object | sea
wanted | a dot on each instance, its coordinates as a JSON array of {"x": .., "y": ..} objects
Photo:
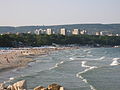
[{"x": 79, "y": 69}]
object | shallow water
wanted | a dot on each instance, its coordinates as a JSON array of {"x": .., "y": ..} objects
[{"x": 80, "y": 69}]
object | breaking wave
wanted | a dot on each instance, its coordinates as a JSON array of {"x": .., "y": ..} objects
[
  {"x": 83, "y": 64},
  {"x": 116, "y": 61},
  {"x": 57, "y": 65}
]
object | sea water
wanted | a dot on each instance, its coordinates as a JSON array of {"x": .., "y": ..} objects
[{"x": 78, "y": 69}]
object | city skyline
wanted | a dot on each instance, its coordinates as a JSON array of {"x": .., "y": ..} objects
[{"x": 57, "y": 12}]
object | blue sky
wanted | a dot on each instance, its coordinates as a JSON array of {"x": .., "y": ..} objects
[{"x": 52, "y": 12}]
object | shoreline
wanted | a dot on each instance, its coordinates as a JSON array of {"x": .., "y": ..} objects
[{"x": 20, "y": 57}]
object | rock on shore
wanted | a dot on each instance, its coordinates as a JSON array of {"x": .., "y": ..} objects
[
  {"x": 21, "y": 85},
  {"x": 53, "y": 86}
]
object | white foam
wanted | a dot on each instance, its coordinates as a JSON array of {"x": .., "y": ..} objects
[
  {"x": 11, "y": 78},
  {"x": 61, "y": 62},
  {"x": 116, "y": 58},
  {"x": 94, "y": 59},
  {"x": 102, "y": 58},
  {"x": 92, "y": 88},
  {"x": 4, "y": 82},
  {"x": 86, "y": 50},
  {"x": 85, "y": 80},
  {"x": 87, "y": 68},
  {"x": 83, "y": 64},
  {"x": 57, "y": 65},
  {"x": 71, "y": 58},
  {"x": 89, "y": 52},
  {"x": 115, "y": 62},
  {"x": 92, "y": 67}
]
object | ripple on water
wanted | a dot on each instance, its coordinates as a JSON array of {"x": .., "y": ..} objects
[{"x": 83, "y": 69}]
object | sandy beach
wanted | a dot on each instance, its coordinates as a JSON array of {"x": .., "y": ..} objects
[{"x": 17, "y": 57}]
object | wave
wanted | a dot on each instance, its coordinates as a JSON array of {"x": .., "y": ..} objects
[
  {"x": 9, "y": 80},
  {"x": 92, "y": 88},
  {"x": 62, "y": 62},
  {"x": 71, "y": 58},
  {"x": 89, "y": 52},
  {"x": 116, "y": 58},
  {"x": 86, "y": 66},
  {"x": 101, "y": 58},
  {"x": 76, "y": 58},
  {"x": 86, "y": 50},
  {"x": 115, "y": 62},
  {"x": 83, "y": 64},
  {"x": 92, "y": 59},
  {"x": 57, "y": 65},
  {"x": 86, "y": 58}
]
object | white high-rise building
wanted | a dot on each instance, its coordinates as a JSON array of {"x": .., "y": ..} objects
[
  {"x": 101, "y": 33},
  {"x": 63, "y": 31},
  {"x": 76, "y": 31},
  {"x": 29, "y": 32},
  {"x": 83, "y": 32},
  {"x": 37, "y": 31},
  {"x": 49, "y": 31},
  {"x": 117, "y": 35},
  {"x": 97, "y": 33}
]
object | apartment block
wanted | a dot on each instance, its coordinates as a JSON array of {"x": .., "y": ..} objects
[
  {"x": 49, "y": 31},
  {"x": 83, "y": 32},
  {"x": 37, "y": 31},
  {"x": 63, "y": 31},
  {"x": 76, "y": 31}
]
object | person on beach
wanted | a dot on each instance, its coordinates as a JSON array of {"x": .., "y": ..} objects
[{"x": 7, "y": 60}]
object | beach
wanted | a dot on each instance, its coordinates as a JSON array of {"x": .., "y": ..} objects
[{"x": 18, "y": 57}]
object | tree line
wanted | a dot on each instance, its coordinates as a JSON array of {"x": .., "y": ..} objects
[{"x": 22, "y": 40}]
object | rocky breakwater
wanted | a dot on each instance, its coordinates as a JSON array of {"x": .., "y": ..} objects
[
  {"x": 50, "y": 87},
  {"x": 21, "y": 85}
]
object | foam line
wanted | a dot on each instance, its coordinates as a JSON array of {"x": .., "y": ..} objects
[
  {"x": 56, "y": 65},
  {"x": 83, "y": 64},
  {"x": 115, "y": 62}
]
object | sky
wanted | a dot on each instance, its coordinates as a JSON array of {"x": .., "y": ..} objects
[{"x": 56, "y": 12}]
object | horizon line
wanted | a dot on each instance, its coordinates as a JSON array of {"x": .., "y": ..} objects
[{"x": 53, "y": 24}]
